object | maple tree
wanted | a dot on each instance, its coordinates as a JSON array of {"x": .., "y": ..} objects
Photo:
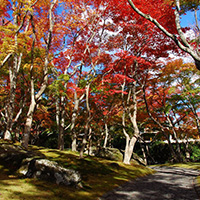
[
  {"x": 13, "y": 44},
  {"x": 134, "y": 48},
  {"x": 173, "y": 9},
  {"x": 187, "y": 89},
  {"x": 48, "y": 40},
  {"x": 78, "y": 69},
  {"x": 165, "y": 105}
]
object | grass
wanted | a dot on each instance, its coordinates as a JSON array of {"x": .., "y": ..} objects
[
  {"x": 98, "y": 177},
  {"x": 188, "y": 165}
]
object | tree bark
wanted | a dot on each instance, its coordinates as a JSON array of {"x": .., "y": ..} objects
[
  {"x": 73, "y": 120},
  {"x": 13, "y": 72},
  {"x": 36, "y": 97},
  {"x": 178, "y": 149},
  {"x": 106, "y": 135},
  {"x": 61, "y": 142}
]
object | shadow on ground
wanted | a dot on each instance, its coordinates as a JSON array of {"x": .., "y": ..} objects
[{"x": 167, "y": 183}]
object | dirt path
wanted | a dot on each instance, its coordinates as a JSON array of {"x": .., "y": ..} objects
[{"x": 167, "y": 183}]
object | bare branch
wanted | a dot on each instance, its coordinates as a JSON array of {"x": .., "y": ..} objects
[{"x": 5, "y": 60}]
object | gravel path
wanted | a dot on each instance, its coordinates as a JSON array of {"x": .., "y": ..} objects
[{"x": 168, "y": 183}]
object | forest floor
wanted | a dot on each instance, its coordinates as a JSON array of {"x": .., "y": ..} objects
[
  {"x": 98, "y": 177},
  {"x": 174, "y": 183}
]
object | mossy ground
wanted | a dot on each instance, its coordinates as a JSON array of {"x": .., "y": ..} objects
[{"x": 99, "y": 176}]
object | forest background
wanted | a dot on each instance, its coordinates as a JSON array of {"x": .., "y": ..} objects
[{"x": 95, "y": 74}]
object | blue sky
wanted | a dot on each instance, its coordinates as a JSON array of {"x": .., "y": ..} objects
[{"x": 188, "y": 19}]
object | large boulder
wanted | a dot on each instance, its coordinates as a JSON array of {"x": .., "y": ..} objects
[
  {"x": 35, "y": 165},
  {"x": 45, "y": 169},
  {"x": 12, "y": 155},
  {"x": 110, "y": 154}
]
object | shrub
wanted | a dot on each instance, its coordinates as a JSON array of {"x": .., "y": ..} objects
[{"x": 195, "y": 152}]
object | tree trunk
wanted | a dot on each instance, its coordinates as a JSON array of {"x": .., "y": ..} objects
[
  {"x": 130, "y": 143},
  {"x": 174, "y": 155},
  {"x": 28, "y": 124},
  {"x": 13, "y": 71},
  {"x": 61, "y": 142},
  {"x": 132, "y": 112},
  {"x": 178, "y": 149},
  {"x": 73, "y": 131},
  {"x": 106, "y": 136},
  {"x": 89, "y": 148},
  {"x": 143, "y": 153},
  {"x": 73, "y": 120},
  {"x": 84, "y": 142},
  {"x": 87, "y": 128},
  {"x": 36, "y": 97}
]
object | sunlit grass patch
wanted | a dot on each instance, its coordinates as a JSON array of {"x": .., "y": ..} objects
[{"x": 98, "y": 177}]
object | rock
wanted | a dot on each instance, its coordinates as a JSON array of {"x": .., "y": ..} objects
[
  {"x": 11, "y": 156},
  {"x": 7, "y": 135},
  {"x": 33, "y": 165},
  {"x": 110, "y": 154},
  {"x": 48, "y": 170}
]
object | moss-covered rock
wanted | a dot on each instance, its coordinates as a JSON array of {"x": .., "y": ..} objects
[
  {"x": 110, "y": 154},
  {"x": 33, "y": 165},
  {"x": 45, "y": 169}
]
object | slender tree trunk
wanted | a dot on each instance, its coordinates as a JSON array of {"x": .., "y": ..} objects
[
  {"x": 187, "y": 151},
  {"x": 58, "y": 118},
  {"x": 36, "y": 97},
  {"x": 106, "y": 135},
  {"x": 73, "y": 122},
  {"x": 148, "y": 153},
  {"x": 130, "y": 143},
  {"x": 11, "y": 102},
  {"x": 90, "y": 142},
  {"x": 178, "y": 149},
  {"x": 13, "y": 72},
  {"x": 132, "y": 113},
  {"x": 174, "y": 155},
  {"x": 28, "y": 125},
  {"x": 87, "y": 128},
  {"x": 143, "y": 152},
  {"x": 84, "y": 141},
  {"x": 61, "y": 142}
]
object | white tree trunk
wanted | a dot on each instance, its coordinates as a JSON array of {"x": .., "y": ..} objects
[
  {"x": 106, "y": 136},
  {"x": 36, "y": 97},
  {"x": 130, "y": 143}
]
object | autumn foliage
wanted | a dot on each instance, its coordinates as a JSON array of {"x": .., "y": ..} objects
[{"x": 82, "y": 69}]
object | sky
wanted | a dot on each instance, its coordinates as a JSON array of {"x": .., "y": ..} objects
[{"x": 188, "y": 19}]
